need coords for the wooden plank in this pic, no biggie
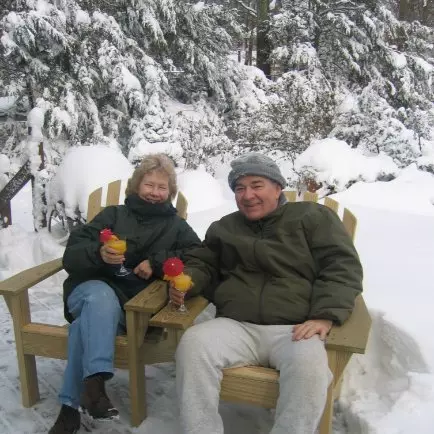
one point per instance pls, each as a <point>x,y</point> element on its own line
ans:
<point>310,197</point>
<point>113,193</point>
<point>137,384</point>
<point>52,341</point>
<point>181,205</point>
<point>254,373</point>
<point>253,384</point>
<point>8,300</point>
<point>30,277</point>
<point>291,196</point>
<point>26,363</point>
<point>353,335</point>
<point>332,204</point>
<point>325,425</point>
<point>350,222</point>
<point>169,317</point>
<point>341,361</point>
<point>150,300</point>
<point>94,204</point>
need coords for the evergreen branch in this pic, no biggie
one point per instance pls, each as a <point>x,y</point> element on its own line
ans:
<point>247,8</point>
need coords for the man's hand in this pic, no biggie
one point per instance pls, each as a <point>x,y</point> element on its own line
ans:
<point>310,328</point>
<point>175,296</point>
<point>111,256</point>
<point>143,270</point>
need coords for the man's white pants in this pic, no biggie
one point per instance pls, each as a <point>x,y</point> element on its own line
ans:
<point>207,348</point>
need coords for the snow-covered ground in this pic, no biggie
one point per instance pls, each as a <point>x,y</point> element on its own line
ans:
<point>390,390</point>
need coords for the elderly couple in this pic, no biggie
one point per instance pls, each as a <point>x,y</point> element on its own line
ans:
<point>280,274</point>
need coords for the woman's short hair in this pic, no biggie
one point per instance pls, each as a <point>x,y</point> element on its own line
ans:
<point>151,163</point>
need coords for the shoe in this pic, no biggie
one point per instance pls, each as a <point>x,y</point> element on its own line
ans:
<point>68,421</point>
<point>95,401</point>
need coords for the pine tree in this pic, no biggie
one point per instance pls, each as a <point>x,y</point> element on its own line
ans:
<point>112,72</point>
<point>331,49</point>
<point>106,73</point>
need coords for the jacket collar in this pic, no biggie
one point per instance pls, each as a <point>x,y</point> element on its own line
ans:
<point>147,209</point>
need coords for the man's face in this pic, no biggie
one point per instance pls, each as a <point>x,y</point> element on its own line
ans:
<point>256,196</point>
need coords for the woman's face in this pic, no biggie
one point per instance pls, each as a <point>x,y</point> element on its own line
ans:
<point>154,187</point>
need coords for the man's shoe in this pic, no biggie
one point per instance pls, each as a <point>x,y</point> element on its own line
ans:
<point>68,421</point>
<point>95,401</point>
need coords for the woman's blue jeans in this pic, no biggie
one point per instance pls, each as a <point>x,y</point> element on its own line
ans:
<point>92,334</point>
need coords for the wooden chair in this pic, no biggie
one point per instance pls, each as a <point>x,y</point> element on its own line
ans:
<point>133,351</point>
<point>255,385</point>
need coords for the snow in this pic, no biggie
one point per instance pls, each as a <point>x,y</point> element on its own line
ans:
<point>35,120</point>
<point>6,103</point>
<point>389,390</point>
<point>82,17</point>
<point>130,82</point>
<point>327,156</point>
<point>83,170</point>
<point>416,193</point>
<point>5,164</point>
<point>197,7</point>
<point>398,59</point>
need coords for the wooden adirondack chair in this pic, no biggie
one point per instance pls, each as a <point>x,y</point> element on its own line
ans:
<point>255,385</point>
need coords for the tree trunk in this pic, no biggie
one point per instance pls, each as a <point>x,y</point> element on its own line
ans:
<point>404,7</point>
<point>262,43</point>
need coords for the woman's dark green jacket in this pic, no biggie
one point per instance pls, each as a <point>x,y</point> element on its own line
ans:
<point>153,232</point>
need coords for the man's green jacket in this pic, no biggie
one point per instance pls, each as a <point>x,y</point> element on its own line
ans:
<point>295,264</point>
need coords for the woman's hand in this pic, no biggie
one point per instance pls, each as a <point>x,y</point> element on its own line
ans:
<point>143,270</point>
<point>111,256</point>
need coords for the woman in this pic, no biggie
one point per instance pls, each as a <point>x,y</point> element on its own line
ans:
<point>94,295</point>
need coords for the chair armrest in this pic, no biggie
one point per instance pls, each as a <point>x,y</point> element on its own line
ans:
<point>150,300</point>
<point>169,317</point>
<point>353,335</point>
<point>24,280</point>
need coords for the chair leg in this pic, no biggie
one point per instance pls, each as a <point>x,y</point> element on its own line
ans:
<point>28,379</point>
<point>136,368</point>
<point>20,311</point>
<point>325,426</point>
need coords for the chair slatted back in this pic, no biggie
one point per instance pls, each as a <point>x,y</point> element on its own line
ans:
<point>95,206</point>
<point>349,220</point>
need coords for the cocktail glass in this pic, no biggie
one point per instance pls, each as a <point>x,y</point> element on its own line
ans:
<point>120,245</point>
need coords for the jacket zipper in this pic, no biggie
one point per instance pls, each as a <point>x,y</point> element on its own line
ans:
<point>261,294</point>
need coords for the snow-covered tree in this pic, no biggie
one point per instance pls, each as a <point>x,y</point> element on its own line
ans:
<point>111,72</point>
<point>107,74</point>
<point>330,49</point>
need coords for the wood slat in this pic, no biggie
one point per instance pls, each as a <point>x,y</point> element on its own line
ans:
<point>181,205</point>
<point>253,384</point>
<point>52,341</point>
<point>24,280</point>
<point>113,193</point>
<point>150,300</point>
<point>137,383</point>
<point>94,204</point>
<point>350,222</point>
<point>291,196</point>
<point>20,310</point>
<point>169,317</point>
<point>353,335</point>
<point>332,204</point>
<point>310,197</point>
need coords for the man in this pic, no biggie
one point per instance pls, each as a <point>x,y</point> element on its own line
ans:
<point>280,274</point>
